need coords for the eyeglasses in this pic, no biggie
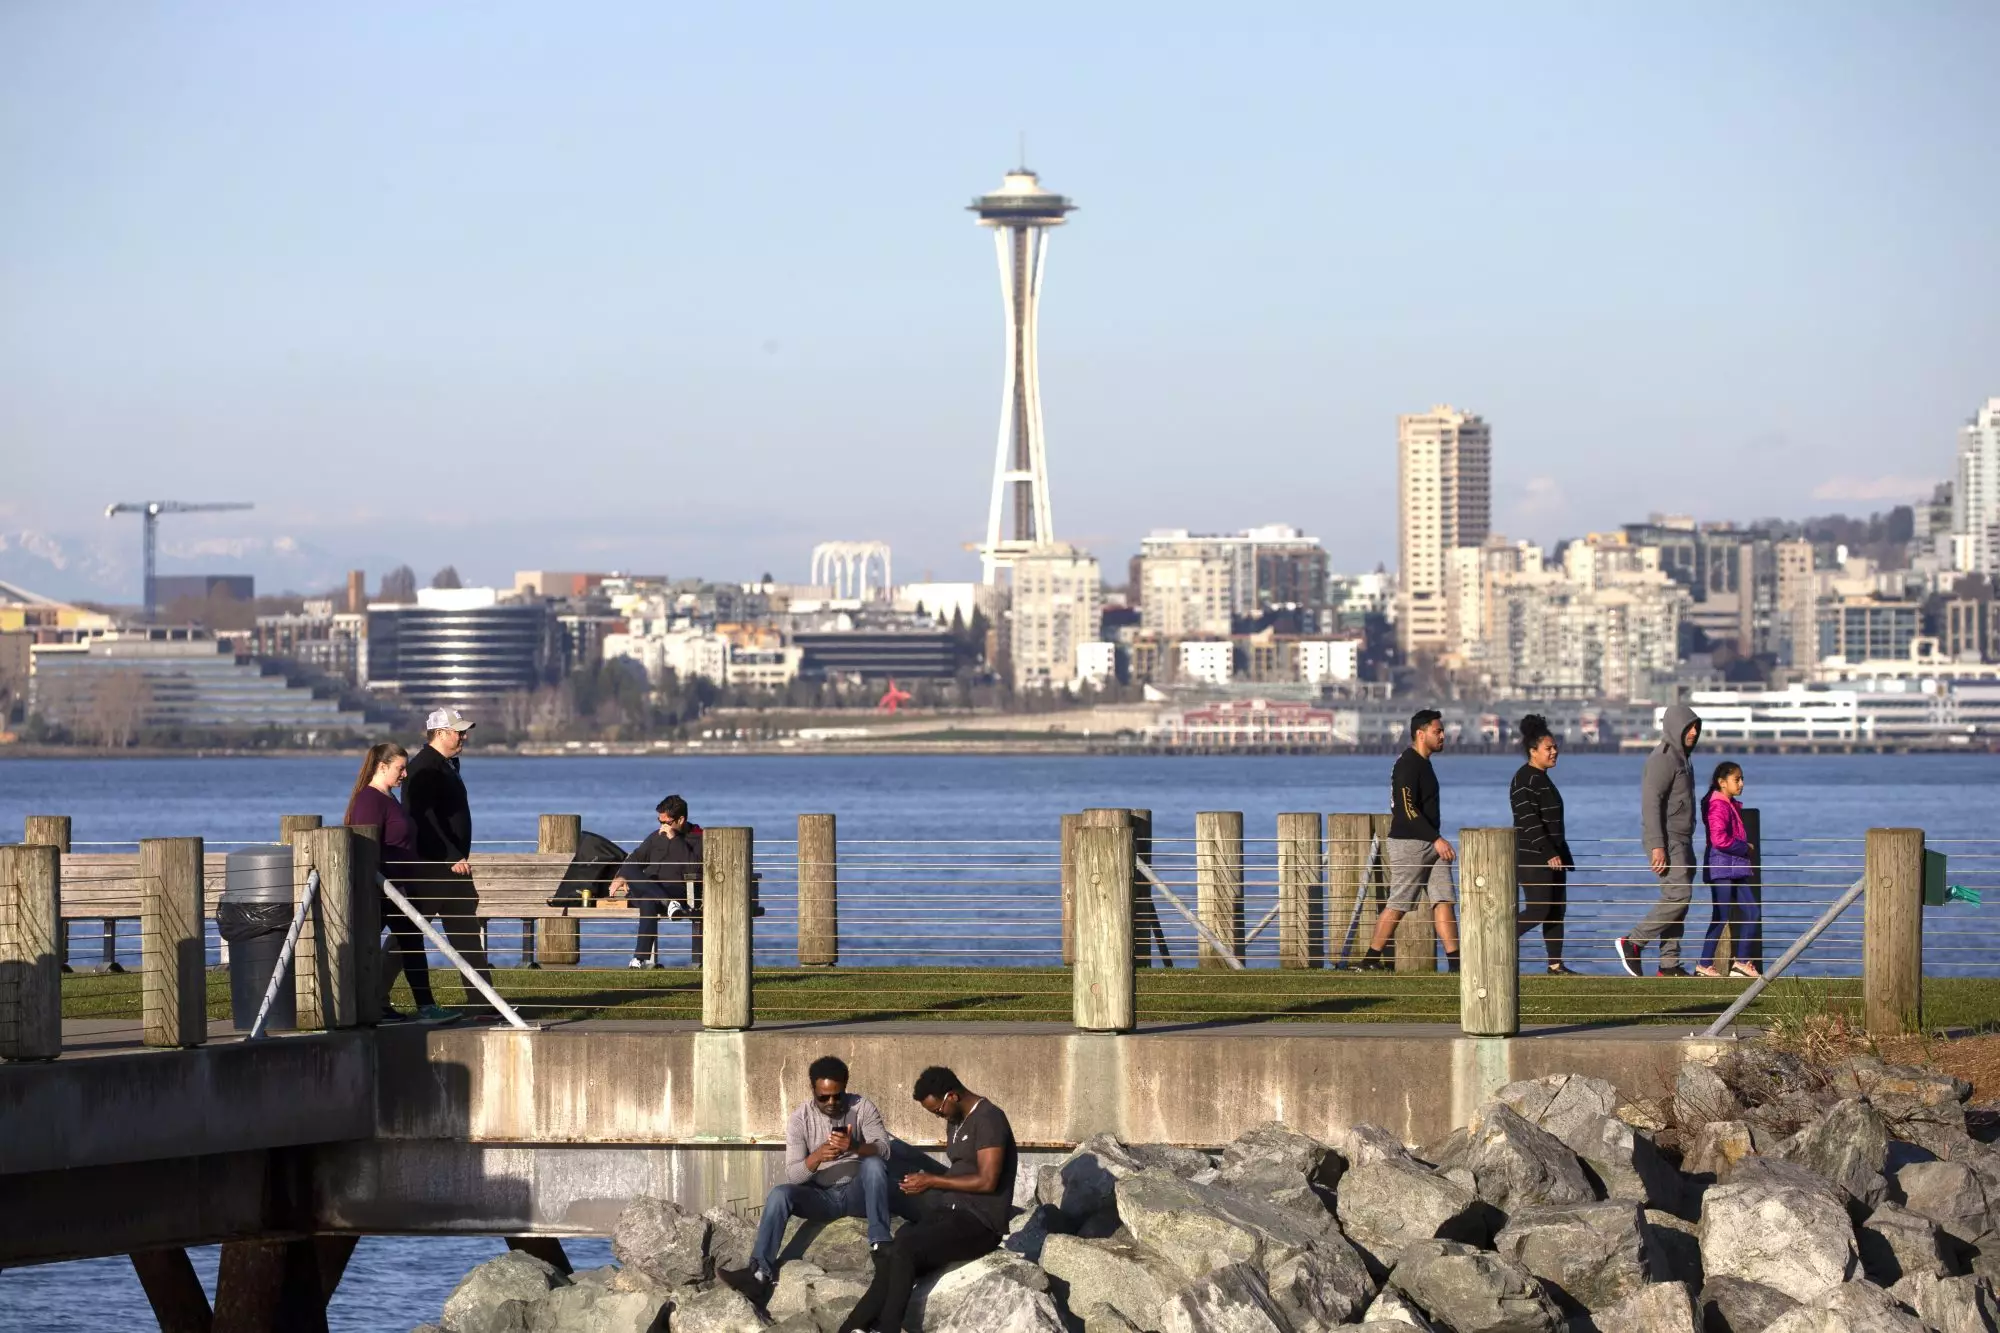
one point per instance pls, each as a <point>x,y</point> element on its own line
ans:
<point>829,1099</point>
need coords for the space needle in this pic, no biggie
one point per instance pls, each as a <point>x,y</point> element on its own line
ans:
<point>1020,213</point>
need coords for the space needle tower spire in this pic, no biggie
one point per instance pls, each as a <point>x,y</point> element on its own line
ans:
<point>1020,214</point>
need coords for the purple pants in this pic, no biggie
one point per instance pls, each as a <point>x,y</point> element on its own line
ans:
<point>1734,904</point>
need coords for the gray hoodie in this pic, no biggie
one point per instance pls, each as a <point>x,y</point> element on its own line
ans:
<point>1666,792</point>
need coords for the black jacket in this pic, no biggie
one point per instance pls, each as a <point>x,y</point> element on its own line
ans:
<point>434,798</point>
<point>1538,819</point>
<point>1413,799</point>
<point>663,865</point>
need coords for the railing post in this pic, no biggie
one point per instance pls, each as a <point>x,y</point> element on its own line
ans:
<point>1070,824</point>
<point>324,969</point>
<point>1489,983</point>
<point>1892,948</point>
<point>290,824</point>
<point>1300,893</point>
<point>1348,838</point>
<point>1104,979</point>
<point>1374,882</point>
<point>30,969</point>
<point>725,906</point>
<point>1147,934</point>
<point>558,941</point>
<point>819,891</point>
<point>1218,879</point>
<point>52,831</point>
<point>375,973</point>
<point>174,997</point>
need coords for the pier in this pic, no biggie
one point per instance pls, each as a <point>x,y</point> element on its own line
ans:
<point>1161,990</point>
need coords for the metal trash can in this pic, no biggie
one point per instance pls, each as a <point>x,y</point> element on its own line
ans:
<point>253,914</point>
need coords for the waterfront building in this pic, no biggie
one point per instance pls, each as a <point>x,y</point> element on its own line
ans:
<point>1199,583</point>
<point>1239,724</point>
<point>1975,496</point>
<point>1207,661</point>
<point>865,654</point>
<point>332,643</point>
<point>1918,714</point>
<point>1604,625</point>
<point>1444,501</point>
<point>1861,629</point>
<point>171,588</point>
<point>461,648</point>
<point>1096,663</point>
<point>1021,215</point>
<point>47,620</point>
<point>1329,661</point>
<point>1058,603</point>
<point>117,685</point>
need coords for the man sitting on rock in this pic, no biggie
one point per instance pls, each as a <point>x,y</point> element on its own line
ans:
<point>845,1175</point>
<point>965,1210</point>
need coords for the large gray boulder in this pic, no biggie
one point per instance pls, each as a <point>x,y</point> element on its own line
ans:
<point>1857,1307</point>
<point>664,1241</point>
<point>1758,1073</point>
<point>1951,1194</point>
<point>1774,1228</point>
<point>1951,1304</point>
<point>1731,1305</point>
<point>1473,1291</point>
<point>1199,1228</point>
<point>1271,1150</point>
<point>731,1237</point>
<point>1896,1243</point>
<point>1386,1204</point>
<point>1134,1282</point>
<point>1624,1163</point>
<point>1363,1145</point>
<point>1085,1182</point>
<point>1516,1165</point>
<point>1848,1145</point>
<point>806,1288</point>
<point>999,1293</point>
<point>1232,1299</point>
<point>1659,1307</point>
<point>1701,1095</point>
<point>1563,1104</point>
<point>1327,1284</point>
<point>1393,1310</point>
<point>716,1310</point>
<point>839,1245</point>
<point>1714,1147</point>
<point>592,1307</point>
<point>1594,1254</point>
<point>495,1297</point>
<point>1921,1107</point>
<point>1673,1249</point>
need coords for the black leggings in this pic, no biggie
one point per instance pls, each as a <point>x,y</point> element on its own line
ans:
<point>944,1236</point>
<point>1546,894</point>
<point>407,950</point>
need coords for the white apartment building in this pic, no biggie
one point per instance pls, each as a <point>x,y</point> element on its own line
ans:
<point>1193,583</point>
<point>1605,625</point>
<point>1058,606</point>
<point>1207,662</point>
<point>1797,610</point>
<point>1975,495</point>
<point>1329,661</point>
<point>1096,663</point>
<point>1444,500</point>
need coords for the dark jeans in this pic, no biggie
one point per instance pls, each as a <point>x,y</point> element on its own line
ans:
<point>1734,903</point>
<point>647,945</point>
<point>870,1194</point>
<point>453,902</point>
<point>1545,895</point>
<point>943,1236</point>
<point>409,952</point>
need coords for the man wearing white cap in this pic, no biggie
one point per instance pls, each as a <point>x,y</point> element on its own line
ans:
<point>435,800</point>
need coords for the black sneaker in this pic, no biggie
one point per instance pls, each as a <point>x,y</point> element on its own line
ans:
<point>1671,972</point>
<point>748,1283</point>
<point>389,1015</point>
<point>1451,962</point>
<point>1373,962</point>
<point>1629,955</point>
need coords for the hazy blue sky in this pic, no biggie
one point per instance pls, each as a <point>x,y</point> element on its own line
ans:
<point>680,288</point>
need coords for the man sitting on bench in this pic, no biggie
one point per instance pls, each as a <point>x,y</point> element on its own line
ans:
<point>658,876</point>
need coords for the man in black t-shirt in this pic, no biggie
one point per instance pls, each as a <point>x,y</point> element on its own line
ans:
<point>964,1211</point>
<point>1416,851</point>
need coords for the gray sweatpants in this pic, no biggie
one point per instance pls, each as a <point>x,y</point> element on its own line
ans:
<point>1669,914</point>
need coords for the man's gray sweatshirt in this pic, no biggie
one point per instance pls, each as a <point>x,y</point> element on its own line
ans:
<point>809,1126</point>
<point>1666,790</point>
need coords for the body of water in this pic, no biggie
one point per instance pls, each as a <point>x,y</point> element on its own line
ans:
<point>990,825</point>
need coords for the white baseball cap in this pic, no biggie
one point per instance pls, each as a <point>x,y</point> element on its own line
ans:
<point>447,719</point>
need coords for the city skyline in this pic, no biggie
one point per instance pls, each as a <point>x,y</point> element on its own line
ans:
<point>439,312</point>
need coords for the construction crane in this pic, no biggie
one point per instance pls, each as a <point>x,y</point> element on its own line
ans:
<point>149,512</point>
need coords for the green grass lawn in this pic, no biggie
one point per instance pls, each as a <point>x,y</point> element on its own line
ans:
<point>1043,994</point>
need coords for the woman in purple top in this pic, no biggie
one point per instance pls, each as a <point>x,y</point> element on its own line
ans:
<point>382,771</point>
<point>1729,870</point>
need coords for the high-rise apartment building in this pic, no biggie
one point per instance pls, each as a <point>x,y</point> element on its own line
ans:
<point>1058,605</point>
<point>1975,495</point>
<point>1196,583</point>
<point>1604,625</point>
<point>1444,500</point>
<point>1797,618</point>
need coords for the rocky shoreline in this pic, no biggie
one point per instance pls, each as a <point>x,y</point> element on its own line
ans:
<point>1766,1195</point>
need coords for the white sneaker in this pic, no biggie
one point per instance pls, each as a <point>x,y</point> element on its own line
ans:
<point>636,965</point>
<point>676,909</point>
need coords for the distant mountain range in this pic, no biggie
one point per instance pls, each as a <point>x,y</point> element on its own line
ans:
<point>106,567</point>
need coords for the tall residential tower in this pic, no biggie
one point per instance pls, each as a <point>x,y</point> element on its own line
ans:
<point>1020,213</point>
<point>1975,499</point>
<point>1444,500</point>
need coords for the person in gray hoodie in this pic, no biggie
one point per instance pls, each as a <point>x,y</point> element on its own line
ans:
<point>1667,818</point>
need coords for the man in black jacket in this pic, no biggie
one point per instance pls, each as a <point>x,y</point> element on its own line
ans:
<point>435,800</point>
<point>658,875</point>
<point>1418,854</point>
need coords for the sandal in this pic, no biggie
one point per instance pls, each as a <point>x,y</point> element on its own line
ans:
<point>1703,970</point>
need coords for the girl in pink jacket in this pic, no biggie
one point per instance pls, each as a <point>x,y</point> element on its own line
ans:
<point>1729,869</point>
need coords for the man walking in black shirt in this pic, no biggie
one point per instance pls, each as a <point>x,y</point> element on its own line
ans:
<point>434,799</point>
<point>963,1212</point>
<point>1418,854</point>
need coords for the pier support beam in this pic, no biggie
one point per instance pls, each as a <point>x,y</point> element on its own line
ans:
<point>819,892</point>
<point>174,1291</point>
<point>52,831</point>
<point>558,941</point>
<point>1104,981</point>
<point>174,998</point>
<point>1218,879</point>
<point>1301,899</point>
<point>30,967</point>
<point>726,955</point>
<point>264,1285</point>
<point>1892,947</point>
<point>1489,983</point>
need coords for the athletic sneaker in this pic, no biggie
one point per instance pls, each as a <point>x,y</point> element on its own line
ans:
<point>1628,956</point>
<point>438,1014</point>
<point>1671,972</point>
<point>1745,971</point>
<point>676,909</point>
<point>752,1285</point>
<point>393,1016</point>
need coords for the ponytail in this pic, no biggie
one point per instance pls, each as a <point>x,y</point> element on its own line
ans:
<point>377,756</point>
<point>1726,769</point>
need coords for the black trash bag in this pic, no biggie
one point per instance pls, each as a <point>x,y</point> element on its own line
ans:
<point>237,922</point>
<point>592,869</point>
